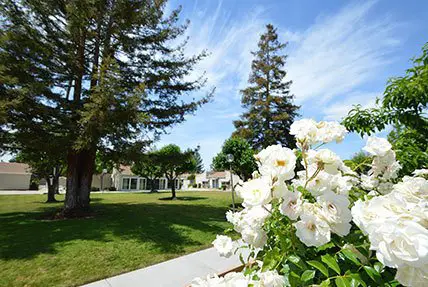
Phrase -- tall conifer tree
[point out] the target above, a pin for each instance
(268, 104)
(93, 75)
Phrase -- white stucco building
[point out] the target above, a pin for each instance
(14, 176)
(123, 179)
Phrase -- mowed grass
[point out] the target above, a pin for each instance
(127, 232)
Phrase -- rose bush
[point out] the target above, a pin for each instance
(326, 225)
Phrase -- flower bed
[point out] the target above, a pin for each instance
(320, 223)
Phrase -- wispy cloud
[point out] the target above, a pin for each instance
(333, 63)
(339, 109)
(229, 41)
(339, 53)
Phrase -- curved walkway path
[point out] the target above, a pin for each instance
(178, 272)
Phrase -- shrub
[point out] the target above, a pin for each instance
(320, 226)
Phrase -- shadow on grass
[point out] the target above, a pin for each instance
(185, 198)
(165, 226)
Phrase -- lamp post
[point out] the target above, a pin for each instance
(229, 158)
(102, 179)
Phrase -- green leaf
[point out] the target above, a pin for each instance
(374, 275)
(296, 260)
(351, 256)
(342, 282)
(241, 259)
(318, 265)
(307, 275)
(325, 283)
(358, 279)
(378, 266)
(331, 262)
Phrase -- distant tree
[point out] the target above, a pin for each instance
(44, 166)
(98, 74)
(199, 161)
(243, 163)
(268, 104)
(103, 162)
(360, 162)
(404, 103)
(174, 162)
(147, 165)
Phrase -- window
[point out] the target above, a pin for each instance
(142, 183)
(134, 183)
(125, 183)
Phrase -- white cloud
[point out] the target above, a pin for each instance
(339, 53)
(229, 42)
(339, 109)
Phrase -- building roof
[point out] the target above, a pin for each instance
(14, 167)
(125, 170)
(216, 174)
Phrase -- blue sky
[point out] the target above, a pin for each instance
(340, 53)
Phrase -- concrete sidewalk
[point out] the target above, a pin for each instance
(178, 272)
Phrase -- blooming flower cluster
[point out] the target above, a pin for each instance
(312, 204)
(396, 224)
(308, 132)
(234, 279)
(384, 166)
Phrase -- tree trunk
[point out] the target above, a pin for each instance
(79, 178)
(51, 190)
(173, 190)
(55, 183)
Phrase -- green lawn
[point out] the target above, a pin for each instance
(128, 231)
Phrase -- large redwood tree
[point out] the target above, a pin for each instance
(94, 75)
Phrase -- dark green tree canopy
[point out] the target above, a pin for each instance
(147, 165)
(243, 163)
(174, 162)
(268, 104)
(91, 74)
(199, 162)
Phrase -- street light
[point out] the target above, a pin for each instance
(102, 179)
(229, 159)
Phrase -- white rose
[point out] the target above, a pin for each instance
(368, 182)
(330, 131)
(413, 189)
(236, 279)
(312, 230)
(277, 162)
(305, 131)
(279, 189)
(271, 279)
(402, 243)
(385, 187)
(329, 160)
(210, 281)
(321, 183)
(291, 206)
(341, 184)
(334, 208)
(377, 146)
(368, 215)
(256, 191)
(411, 276)
(224, 245)
(420, 172)
(254, 236)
